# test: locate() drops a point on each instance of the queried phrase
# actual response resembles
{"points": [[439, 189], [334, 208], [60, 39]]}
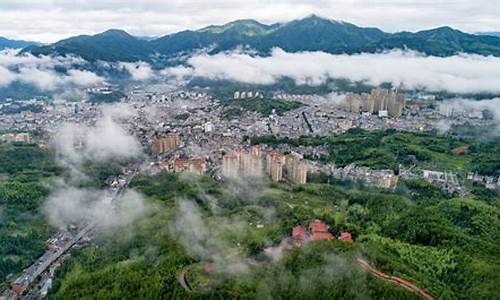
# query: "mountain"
{"points": [[489, 33], [242, 27], [318, 34], [442, 41], [112, 45], [146, 38], [219, 38], [309, 34], [6, 43]]}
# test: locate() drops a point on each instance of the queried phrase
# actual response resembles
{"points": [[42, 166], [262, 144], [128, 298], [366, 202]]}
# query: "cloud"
{"points": [[208, 234], [105, 140], [178, 72], [6, 76], [464, 105], [41, 71], [139, 71], [54, 20], [76, 144], [454, 107], [70, 205], [210, 241], [83, 78], [43, 79], [458, 74], [12, 57]]}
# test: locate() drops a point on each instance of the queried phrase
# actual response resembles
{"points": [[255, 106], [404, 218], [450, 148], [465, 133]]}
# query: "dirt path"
{"points": [[183, 281], [401, 282]]}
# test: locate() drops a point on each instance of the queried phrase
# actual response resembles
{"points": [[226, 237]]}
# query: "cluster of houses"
{"points": [[22, 137], [317, 231], [489, 182]]}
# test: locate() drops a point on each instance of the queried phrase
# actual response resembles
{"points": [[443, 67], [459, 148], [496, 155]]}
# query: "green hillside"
{"points": [[309, 34], [444, 245], [112, 45]]}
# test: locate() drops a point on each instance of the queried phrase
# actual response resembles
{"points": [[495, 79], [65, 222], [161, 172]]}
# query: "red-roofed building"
{"points": [[319, 232], [299, 233], [346, 237], [321, 236], [461, 150], [318, 227]]}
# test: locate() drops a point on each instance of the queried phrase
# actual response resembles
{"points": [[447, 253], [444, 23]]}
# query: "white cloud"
{"points": [[83, 78], [107, 139], [69, 205], [40, 71], [178, 72], [75, 144], [460, 74], [139, 71], [43, 79], [460, 105], [12, 57], [466, 106], [54, 20], [6, 76]]}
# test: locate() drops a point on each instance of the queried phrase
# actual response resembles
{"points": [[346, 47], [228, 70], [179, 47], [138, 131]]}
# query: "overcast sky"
{"points": [[51, 20]]}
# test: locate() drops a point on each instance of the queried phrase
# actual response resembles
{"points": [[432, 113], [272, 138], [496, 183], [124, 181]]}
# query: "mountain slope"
{"points": [[442, 41], [219, 38], [489, 33], [318, 34], [6, 43], [243, 27], [309, 34], [112, 45]]}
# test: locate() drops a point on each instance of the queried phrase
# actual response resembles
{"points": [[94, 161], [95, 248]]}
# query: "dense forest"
{"points": [[446, 246], [27, 175], [23, 230]]}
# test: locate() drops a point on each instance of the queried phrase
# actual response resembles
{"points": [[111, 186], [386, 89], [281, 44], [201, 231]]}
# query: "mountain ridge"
{"points": [[6, 43], [313, 33]]}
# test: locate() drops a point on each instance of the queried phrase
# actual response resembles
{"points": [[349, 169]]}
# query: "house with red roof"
{"points": [[299, 233], [461, 150], [319, 232], [346, 237]]}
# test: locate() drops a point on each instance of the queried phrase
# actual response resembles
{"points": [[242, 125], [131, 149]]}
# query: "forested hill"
{"points": [[14, 44], [309, 34]]}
